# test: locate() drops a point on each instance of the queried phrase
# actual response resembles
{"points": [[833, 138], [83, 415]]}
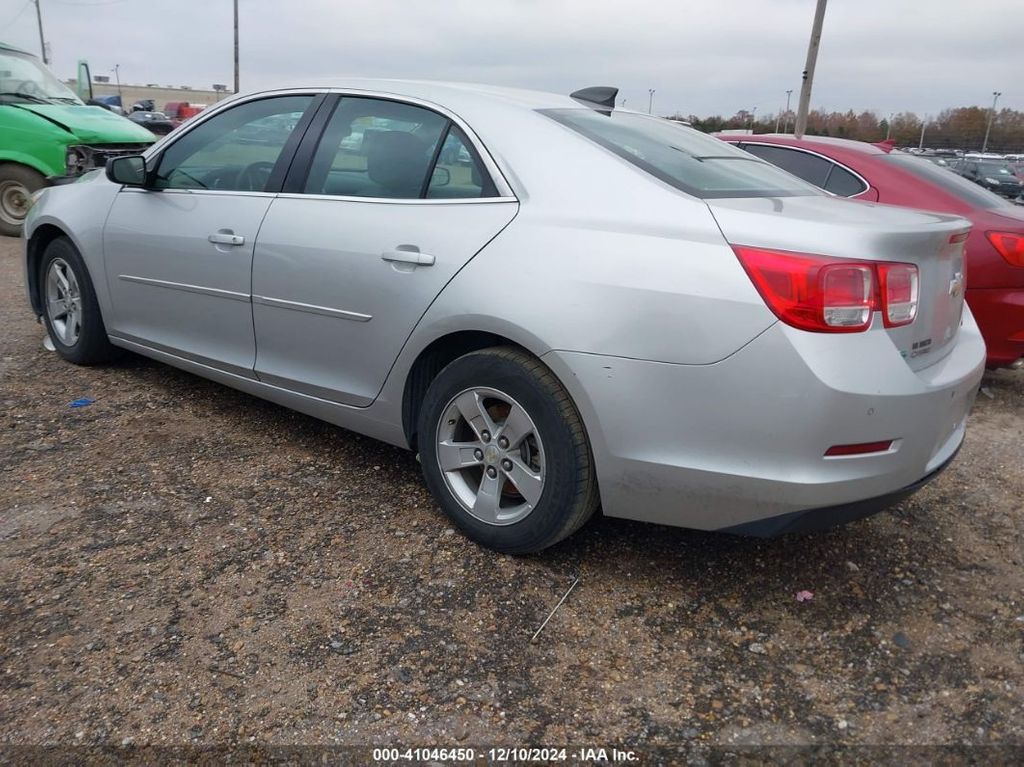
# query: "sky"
{"points": [[700, 57]]}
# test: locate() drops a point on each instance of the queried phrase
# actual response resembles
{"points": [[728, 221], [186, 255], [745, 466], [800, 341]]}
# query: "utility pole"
{"points": [[991, 117], [888, 126], [42, 41], [753, 114], [812, 58], [924, 124], [650, 101], [785, 122], [236, 46], [117, 78]]}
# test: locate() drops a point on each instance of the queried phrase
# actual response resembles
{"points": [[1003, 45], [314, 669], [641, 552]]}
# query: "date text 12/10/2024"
{"points": [[504, 754]]}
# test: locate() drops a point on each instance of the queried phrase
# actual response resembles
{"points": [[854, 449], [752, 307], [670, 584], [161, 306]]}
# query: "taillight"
{"points": [[1009, 245], [899, 288], [831, 295]]}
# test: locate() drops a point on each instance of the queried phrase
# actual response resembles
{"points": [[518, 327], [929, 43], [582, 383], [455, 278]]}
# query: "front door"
{"points": [[178, 254], [396, 201]]}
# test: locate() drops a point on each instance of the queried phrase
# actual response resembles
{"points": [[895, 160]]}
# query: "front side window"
{"points": [[235, 150], [684, 158]]}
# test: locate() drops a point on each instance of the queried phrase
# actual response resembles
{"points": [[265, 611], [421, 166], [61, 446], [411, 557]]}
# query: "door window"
{"points": [[386, 149], [234, 151], [457, 173], [843, 183], [807, 166]]}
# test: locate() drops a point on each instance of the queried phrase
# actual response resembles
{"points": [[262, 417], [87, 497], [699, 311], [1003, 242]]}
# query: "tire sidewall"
{"points": [[93, 336], [542, 524], [30, 180]]}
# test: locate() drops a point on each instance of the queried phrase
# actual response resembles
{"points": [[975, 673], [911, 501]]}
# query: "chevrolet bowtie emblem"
{"points": [[956, 285]]}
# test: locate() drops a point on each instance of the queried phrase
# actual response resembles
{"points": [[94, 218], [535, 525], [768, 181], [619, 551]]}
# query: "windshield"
{"points": [[994, 169], [954, 184], [24, 80], [691, 161]]}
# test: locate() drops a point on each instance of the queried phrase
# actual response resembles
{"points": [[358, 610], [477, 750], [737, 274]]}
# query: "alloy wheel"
{"points": [[491, 455], [63, 302]]}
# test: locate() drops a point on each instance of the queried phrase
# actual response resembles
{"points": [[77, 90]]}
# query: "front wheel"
{"points": [[505, 453], [70, 310], [17, 183]]}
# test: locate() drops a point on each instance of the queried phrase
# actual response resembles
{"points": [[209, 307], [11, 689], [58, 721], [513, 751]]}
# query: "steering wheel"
{"points": [[254, 177], [29, 88]]}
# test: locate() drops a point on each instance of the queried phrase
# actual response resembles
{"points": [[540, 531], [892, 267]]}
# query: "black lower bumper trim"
{"points": [[831, 516]]}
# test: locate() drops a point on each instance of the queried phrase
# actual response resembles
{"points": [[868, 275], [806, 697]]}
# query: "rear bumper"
{"points": [[720, 446], [833, 516], [1000, 315]]}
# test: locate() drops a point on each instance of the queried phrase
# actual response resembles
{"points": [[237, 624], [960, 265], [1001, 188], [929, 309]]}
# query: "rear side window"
{"points": [[809, 167], [843, 183], [386, 149], [684, 158]]}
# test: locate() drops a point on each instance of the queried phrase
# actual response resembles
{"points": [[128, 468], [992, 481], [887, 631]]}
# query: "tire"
{"points": [[78, 336], [509, 510], [17, 183]]}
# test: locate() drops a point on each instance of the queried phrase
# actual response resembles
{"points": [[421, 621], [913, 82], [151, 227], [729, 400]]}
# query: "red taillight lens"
{"points": [[900, 292], [831, 295], [1009, 245]]}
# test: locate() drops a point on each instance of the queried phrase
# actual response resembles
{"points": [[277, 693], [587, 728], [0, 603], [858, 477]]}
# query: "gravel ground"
{"points": [[184, 564]]}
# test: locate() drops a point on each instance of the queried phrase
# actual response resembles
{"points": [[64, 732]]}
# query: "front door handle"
{"points": [[226, 237], [408, 257]]}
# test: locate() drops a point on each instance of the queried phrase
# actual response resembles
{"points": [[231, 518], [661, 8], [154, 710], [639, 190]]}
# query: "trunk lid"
{"points": [[864, 231]]}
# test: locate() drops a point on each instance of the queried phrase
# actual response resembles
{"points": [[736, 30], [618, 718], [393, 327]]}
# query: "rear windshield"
{"points": [[691, 161], [950, 181]]}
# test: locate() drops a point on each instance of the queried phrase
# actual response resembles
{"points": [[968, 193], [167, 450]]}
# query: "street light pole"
{"points": [[650, 101], [785, 122], [991, 117], [236, 46], [924, 124], [753, 115], [812, 58], [42, 41], [117, 78], [888, 126]]}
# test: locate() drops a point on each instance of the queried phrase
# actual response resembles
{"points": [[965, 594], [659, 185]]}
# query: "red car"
{"points": [[876, 173]]}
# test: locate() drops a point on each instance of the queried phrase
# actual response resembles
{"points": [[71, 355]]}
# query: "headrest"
{"points": [[397, 161]]}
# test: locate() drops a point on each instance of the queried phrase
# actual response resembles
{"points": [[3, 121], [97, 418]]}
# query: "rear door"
{"points": [[385, 203]]}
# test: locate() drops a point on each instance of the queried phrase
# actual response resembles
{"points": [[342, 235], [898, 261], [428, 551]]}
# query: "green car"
{"points": [[46, 130]]}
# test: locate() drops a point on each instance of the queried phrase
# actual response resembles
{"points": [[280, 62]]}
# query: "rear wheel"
{"points": [[17, 183], [70, 310], [505, 453]]}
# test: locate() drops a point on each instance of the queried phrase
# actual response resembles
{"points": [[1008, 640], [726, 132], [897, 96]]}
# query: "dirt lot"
{"points": [[181, 563]]}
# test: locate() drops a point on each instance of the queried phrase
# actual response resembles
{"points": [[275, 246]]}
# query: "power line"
{"points": [[18, 14]]}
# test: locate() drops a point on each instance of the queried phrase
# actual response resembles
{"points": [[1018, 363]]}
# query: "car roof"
{"points": [[808, 142], [7, 47], [446, 92]]}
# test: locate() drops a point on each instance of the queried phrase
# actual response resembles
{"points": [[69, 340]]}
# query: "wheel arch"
{"points": [[432, 359], [42, 236]]}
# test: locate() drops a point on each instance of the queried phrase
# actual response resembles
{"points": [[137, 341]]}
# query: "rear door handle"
{"points": [[226, 237], [408, 257]]}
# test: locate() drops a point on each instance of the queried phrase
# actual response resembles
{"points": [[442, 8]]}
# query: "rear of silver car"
{"points": [[799, 429]]}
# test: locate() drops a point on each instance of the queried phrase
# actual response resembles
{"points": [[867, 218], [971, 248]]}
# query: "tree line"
{"points": [[958, 128]]}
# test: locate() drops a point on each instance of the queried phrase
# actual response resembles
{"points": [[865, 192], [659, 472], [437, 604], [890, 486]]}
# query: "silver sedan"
{"points": [[558, 304]]}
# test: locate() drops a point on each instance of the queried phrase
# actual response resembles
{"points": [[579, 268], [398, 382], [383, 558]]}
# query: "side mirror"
{"points": [[440, 177], [130, 171]]}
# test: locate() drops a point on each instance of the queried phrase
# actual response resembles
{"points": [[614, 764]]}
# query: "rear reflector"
{"points": [[1009, 245], [859, 449], [831, 295]]}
